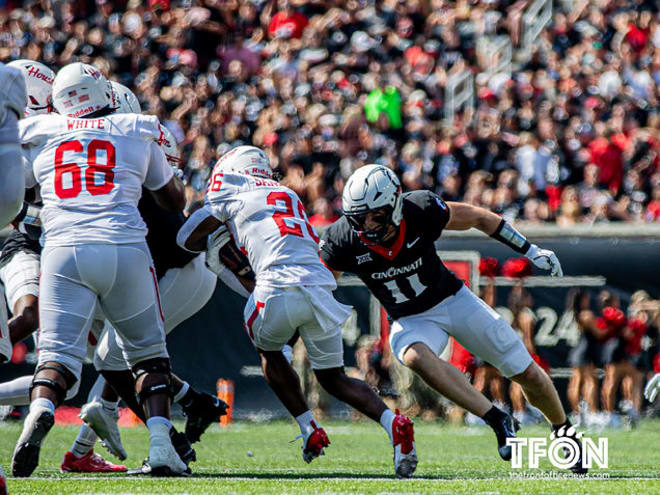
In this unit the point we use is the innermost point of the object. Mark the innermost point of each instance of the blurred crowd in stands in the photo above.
(325, 86)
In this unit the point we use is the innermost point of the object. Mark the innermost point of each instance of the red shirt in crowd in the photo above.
(608, 155)
(653, 211)
(637, 330)
(287, 26)
(636, 37)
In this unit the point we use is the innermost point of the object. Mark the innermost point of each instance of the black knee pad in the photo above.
(162, 381)
(60, 391)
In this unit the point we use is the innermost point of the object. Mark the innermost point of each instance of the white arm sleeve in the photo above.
(231, 281)
(189, 227)
(159, 172)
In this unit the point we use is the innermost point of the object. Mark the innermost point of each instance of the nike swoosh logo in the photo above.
(412, 243)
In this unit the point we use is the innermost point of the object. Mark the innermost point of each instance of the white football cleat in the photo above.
(405, 454)
(163, 459)
(104, 424)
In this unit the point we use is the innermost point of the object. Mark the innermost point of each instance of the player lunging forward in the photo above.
(293, 291)
(388, 239)
(91, 167)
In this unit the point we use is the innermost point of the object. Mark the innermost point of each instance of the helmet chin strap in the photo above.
(391, 235)
(100, 113)
(387, 238)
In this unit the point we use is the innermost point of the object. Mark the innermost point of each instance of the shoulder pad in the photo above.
(223, 185)
(136, 125)
(34, 130)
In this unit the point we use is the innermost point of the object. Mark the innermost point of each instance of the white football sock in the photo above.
(386, 420)
(155, 423)
(84, 442)
(42, 403)
(306, 423)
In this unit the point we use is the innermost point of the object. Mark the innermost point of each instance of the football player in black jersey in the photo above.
(388, 240)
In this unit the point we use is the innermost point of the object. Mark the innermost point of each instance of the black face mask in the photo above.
(382, 216)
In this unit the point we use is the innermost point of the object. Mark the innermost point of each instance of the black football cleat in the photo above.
(505, 427)
(203, 410)
(26, 454)
(182, 446)
(568, 432)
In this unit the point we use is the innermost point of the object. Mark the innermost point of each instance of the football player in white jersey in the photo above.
(91, 167)
(20, 261)
(183, 293)
(12, 185)
(293, 290)
(185, 286)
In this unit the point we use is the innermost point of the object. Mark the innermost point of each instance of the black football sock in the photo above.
(566, 425)
(494, 416)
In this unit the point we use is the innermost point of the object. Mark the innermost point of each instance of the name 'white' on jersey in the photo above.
(91, 173)
(268, 220)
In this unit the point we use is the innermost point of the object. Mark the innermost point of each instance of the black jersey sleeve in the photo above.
(331, 247)
(436, 213)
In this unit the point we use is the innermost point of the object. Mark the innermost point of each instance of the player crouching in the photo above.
(387, 238)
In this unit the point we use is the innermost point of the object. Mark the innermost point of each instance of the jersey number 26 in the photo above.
(288, 213)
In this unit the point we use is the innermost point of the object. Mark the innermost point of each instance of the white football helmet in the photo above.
(81, 90)
(39, 83)
(169, 146)
(123, 99)
(246, 160)
(372, 188)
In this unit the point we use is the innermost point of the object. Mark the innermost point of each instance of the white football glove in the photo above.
(652, 388)
(213, 244)
(545, 259)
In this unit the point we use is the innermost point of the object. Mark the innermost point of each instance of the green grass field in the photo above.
(259, 458)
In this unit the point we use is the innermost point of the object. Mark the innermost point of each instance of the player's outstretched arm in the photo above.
(464, 216)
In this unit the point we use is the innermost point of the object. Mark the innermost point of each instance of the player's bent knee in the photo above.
(56, 377)
(413, 356)
(330, 378)
(533, 376)
(153, 377)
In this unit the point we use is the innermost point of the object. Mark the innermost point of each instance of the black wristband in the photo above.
(506, 234)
